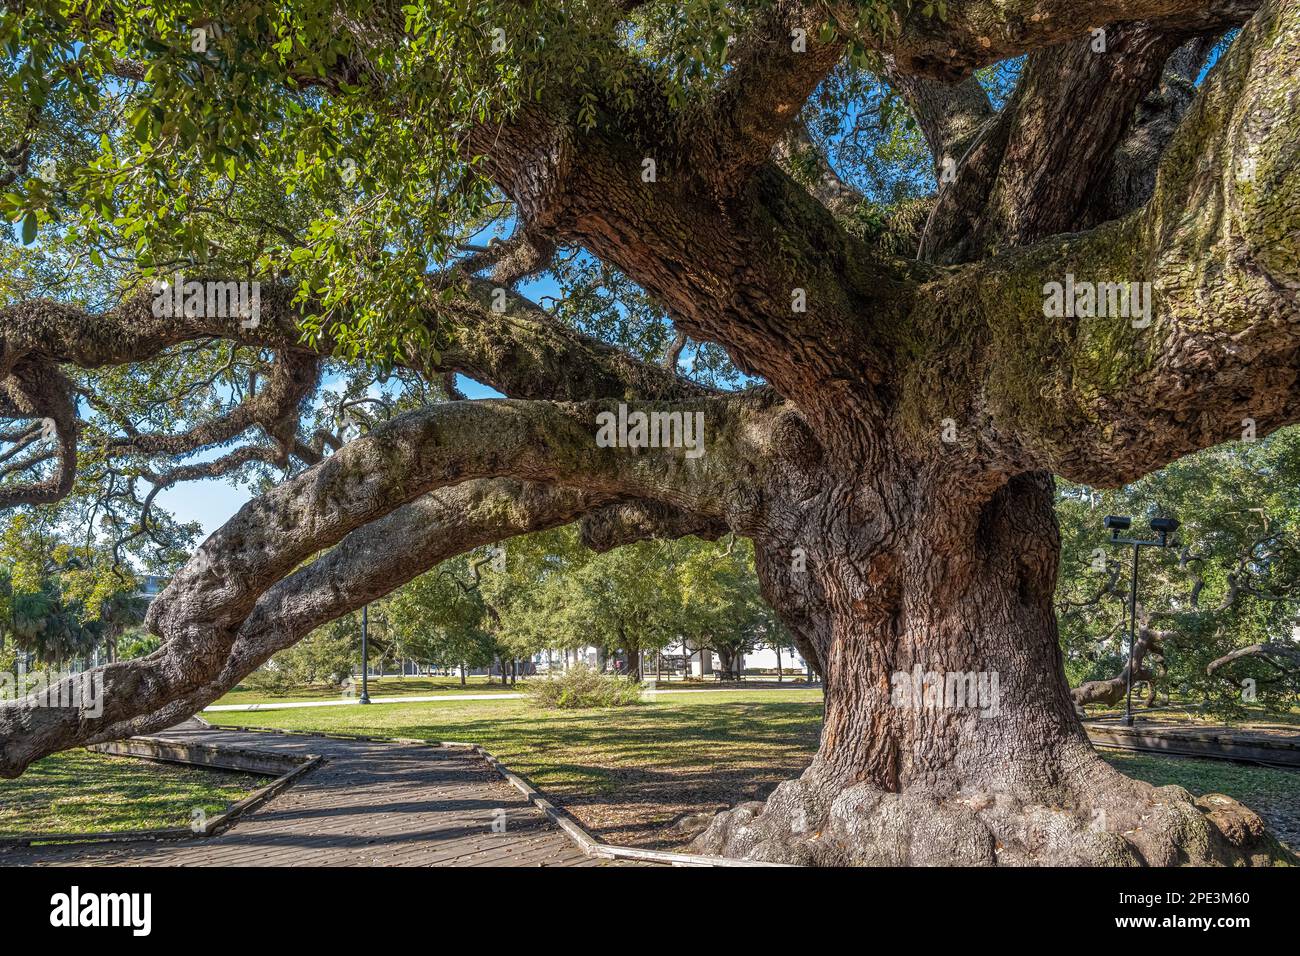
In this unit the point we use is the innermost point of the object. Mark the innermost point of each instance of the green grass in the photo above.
(79, 791)
(429, 686)
(378, 687)
(590, 748)
(628, 772)
(1205, 776)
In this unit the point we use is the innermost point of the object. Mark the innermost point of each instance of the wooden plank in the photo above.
(1193, 742)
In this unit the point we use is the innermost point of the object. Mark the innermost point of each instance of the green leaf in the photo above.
(142, 125)
(29, 229)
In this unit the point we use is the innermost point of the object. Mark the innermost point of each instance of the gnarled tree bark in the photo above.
(895, 471)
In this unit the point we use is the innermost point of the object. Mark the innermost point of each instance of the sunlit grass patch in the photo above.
(80, 791)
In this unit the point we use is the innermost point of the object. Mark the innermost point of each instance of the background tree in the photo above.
(723, 610)
(1232, 590)
(557, 594)
(326, 656)
(440, 619)
(63, 599)
(908, 390)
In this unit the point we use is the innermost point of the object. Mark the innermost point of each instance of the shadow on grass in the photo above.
(79, 791)
(627, 772)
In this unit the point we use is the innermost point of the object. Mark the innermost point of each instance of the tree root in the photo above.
(1122, 823)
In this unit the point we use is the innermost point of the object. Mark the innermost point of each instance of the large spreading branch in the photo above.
(363, 567)
(523, 353)
(1030, 174)
(36, 388)
(202, 612)
(1148, 648)
(1105, 400)
(487, 332)
(276, 408)
(977, 34)
(773, 69)
(508, 350)
(1284, 658)
(412, 454)
(948, 114)
(763, 274)
(1034, 172)
(1130, 177)
(801, 159)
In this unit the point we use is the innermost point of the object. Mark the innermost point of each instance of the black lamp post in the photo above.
(1163, 527)
(365, 653)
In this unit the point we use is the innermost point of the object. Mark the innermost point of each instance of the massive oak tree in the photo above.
(893, 468)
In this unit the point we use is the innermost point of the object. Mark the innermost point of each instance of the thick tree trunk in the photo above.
(724, 663)
(950, 736)
(923, 559)
(631, 651)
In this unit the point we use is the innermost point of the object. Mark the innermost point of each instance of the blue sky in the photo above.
(212, 501)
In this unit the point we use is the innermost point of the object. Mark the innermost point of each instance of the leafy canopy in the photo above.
(174, 132)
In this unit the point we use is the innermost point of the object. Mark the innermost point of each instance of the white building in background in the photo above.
(151, 585)
(764, 659)
(702, 663)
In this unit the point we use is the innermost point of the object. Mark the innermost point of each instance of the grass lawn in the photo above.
(378, 686)
(428, 686)
(629, 773)
(625, 772)
(79, 791)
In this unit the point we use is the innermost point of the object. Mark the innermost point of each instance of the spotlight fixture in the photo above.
(1117, 523)
(1165, 526)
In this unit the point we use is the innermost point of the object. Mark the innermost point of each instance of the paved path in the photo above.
(368, 804)
(350, 701)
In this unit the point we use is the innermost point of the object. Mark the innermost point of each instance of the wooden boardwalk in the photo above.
(368, 804)
(1276, 749)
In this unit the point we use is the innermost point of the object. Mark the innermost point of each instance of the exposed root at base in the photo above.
(1123, 823)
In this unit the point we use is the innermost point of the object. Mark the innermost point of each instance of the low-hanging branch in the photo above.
(201, 613)
(894, 469)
